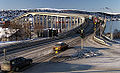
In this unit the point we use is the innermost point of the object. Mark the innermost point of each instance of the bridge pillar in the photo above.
(29, 27)
(47, 26)
(42, 24)
(25, 24)
(74, 22)
(57, 22)
(71, 23)
(65, 23)
(80, 20)
(34, 22)
(51, 22)
(68, 23)
(61, 24)
(77, 21)
(39, 20)
(43, 21)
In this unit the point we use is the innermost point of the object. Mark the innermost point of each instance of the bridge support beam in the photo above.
(74, 22)
(71, 23)
(51, 22)
(68, 23)
(43, 21)
(61, 24)
(55, 22)
(47, 26)
(65, 23)
(77, 21)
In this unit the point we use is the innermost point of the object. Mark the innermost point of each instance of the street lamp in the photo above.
(4, 50)
(82, 36)
(111, 34)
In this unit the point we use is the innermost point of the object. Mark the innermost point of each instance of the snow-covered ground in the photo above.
(5, 32)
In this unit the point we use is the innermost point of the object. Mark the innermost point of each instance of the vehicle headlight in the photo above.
(56, 48)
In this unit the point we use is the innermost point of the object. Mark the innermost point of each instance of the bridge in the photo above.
(37, 22)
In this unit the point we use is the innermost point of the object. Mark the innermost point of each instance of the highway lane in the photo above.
(68, 39)
(38, 47)
(107, 63)
(31, 48)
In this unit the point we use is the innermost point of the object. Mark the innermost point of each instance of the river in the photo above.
(115, 25)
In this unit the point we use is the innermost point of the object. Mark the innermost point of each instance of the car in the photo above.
(60, 46)
(15, 64)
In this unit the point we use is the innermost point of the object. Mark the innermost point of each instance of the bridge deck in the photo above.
(52, 14)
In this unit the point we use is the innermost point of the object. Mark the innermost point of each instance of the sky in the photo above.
(89, 5)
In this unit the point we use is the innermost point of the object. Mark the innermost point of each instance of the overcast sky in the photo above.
(90, 5)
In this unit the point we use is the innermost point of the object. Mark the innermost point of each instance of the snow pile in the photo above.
(73, 54)
(6, 32)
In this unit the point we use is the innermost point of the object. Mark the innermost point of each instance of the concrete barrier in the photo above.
(108, 39)
(100, 41)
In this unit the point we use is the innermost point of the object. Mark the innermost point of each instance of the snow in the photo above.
(8, 42)
(9, 32)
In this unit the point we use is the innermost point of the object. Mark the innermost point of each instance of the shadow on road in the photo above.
(94, 48)
(101, 71)
(57, 67)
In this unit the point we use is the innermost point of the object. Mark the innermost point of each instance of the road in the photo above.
(106, 63)
(35, 51)
(67, 66)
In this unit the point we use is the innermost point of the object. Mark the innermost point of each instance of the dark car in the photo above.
(15, 64)
(60, 46)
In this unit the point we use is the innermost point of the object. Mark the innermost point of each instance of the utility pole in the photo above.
(111, 35)
(100, 27)
(95, 23)
(4, 50)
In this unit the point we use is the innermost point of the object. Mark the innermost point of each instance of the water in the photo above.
(115, 25)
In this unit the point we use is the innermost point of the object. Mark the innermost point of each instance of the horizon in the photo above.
(115, 13)
(93, 5)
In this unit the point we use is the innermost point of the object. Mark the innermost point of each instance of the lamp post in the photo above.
(111, 34)
(82, 36)
(4, 50)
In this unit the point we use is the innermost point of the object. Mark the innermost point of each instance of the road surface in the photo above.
(109, 62)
